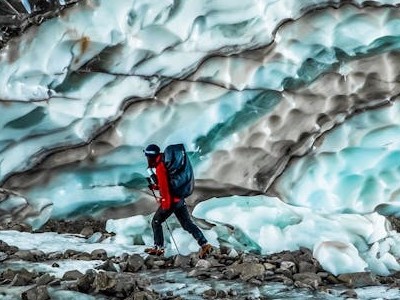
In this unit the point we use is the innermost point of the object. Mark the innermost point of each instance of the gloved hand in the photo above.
(152, 186)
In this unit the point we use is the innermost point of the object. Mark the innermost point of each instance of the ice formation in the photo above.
(289, 110)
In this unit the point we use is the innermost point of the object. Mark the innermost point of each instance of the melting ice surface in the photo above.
(269, 97)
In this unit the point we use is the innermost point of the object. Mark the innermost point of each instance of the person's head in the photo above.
(152, 153)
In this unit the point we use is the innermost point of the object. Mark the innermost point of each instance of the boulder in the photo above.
(305, 266)
(21, 277)
(55, 255)
(349, 294)
(135, 263)
(181, 261)
(3, 256)
(307, 279)
(104, 283)
(120, 285)
(108, 265)
(100, 254)
(84, 283)
(4, 247)
(203, 264)
(143, 295)
(72, 275)
(87, 231)
(269, 266)
(36, 293)
(245, 271)
(25, 255)
(358, 279)
(82, 256)
(44, 279)
(288, 265)
(70, 252)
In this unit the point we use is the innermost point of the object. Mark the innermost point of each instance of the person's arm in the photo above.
(162, 177)
(152, 179)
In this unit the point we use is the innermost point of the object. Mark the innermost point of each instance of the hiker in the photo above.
(169, 202)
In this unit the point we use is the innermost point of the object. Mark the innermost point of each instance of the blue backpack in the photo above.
(180, 171)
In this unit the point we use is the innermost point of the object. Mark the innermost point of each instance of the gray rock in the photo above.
(3, 256)
(55, 282)
(233, 293)
(359, 279)
(349, 294)
(211, 293)
(107, 266)
(55, 255)
(38, 255)
(269, 266)
(87, 231)
(159, 263)
(246, 271)
(199, 273)
(4, 247)
(104, 282)
(255, 281)
(134, 263)
(305, 266)
(44, 279)
(36, 293)
(251, 271)
(143, 295)
(203, 264)
(181, 261)
(21, 280)
(221, 294)
(8, 274)
(119, 284)
(289, 265)
(250, 259)
(82, 256)
(230, 273)
(332, 279)
(72, 275)
(22, 277)
(24, 255)
(143, 282)
(70, 252)
(323, 274)
(100, 254)
(307, 280)
(84, 284)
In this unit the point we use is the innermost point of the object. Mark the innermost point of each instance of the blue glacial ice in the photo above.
(289, 110)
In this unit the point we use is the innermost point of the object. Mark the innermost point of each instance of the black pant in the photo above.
(182, 214)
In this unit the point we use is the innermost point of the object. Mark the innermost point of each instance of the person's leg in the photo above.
(159, 217)
(182, 214)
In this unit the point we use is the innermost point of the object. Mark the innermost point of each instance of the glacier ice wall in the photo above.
(283, 105)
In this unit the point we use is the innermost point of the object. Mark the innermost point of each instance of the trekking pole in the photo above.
(172, 237)
(170, 232)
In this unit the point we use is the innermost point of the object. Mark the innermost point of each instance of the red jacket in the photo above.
(163, 186)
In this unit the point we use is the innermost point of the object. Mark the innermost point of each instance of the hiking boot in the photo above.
(154, 251)
(205, 251)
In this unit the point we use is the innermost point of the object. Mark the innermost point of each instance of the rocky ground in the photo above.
(129, 276)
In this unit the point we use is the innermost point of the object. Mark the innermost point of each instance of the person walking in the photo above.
(159, 180)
